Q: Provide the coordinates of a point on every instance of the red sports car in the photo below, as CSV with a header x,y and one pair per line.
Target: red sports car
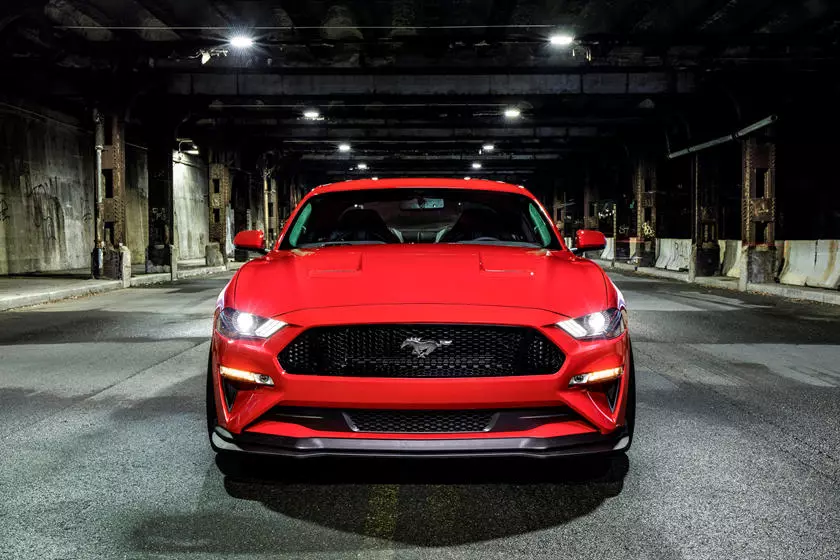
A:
x,y
420,317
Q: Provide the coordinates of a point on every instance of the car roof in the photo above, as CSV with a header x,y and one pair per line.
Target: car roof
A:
x,y
440,183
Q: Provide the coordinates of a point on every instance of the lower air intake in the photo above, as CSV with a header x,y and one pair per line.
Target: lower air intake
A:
x,y
420,421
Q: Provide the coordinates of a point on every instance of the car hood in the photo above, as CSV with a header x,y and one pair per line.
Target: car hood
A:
x,y
416,274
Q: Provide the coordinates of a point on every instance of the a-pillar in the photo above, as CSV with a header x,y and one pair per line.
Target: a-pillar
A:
x,y
705,251
758,211
162,252
220,189
643,246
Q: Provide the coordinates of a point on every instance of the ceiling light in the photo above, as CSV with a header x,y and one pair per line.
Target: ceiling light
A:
x,y
361,166
344,147
241,42
476,165
488,147
561,39
374,178
512,113
467,178
311,114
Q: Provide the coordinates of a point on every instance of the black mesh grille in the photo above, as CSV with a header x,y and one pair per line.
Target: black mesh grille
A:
x,y
421,351
420,421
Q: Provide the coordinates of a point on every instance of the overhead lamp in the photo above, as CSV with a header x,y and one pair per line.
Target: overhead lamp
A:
x,y
362,166
241,42
191,149
561,39
512,113
488,148
467,178
344,147
311,114
476,165
374,178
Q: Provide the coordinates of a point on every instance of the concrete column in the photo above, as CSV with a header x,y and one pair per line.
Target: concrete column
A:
x,y
643,246
96,256
113,169
705,252
758,211
266,196
161,210
114,198
219,201
590,195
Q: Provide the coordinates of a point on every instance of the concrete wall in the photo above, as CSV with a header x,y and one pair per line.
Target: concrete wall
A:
x,y
191,185
137,202
46,191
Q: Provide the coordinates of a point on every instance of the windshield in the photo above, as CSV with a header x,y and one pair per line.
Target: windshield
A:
x,y
392,216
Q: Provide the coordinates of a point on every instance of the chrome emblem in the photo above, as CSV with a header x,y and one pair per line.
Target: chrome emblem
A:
x,y
422,348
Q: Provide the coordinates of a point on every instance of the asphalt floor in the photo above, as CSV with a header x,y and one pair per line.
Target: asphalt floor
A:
x,y
737,449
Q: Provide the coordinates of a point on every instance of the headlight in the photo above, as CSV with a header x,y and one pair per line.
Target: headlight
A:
x,y
238,324
604,324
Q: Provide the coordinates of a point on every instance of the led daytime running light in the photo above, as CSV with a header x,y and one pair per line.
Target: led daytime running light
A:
x,y
245,376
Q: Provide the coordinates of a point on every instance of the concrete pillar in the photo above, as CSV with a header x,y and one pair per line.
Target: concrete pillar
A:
x,y
643,246
161,210
113,170
590,196
96,257
758,211
705,252
219,202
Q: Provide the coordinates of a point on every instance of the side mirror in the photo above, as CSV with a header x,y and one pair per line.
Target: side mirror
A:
x,y
250,240
589,240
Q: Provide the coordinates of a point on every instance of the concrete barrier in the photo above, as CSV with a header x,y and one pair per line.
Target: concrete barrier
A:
x,y
812,263
826,265
608,253
730,258
664,254
673,254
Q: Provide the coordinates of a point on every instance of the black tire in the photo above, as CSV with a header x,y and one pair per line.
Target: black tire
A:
x,y
630,409
210,403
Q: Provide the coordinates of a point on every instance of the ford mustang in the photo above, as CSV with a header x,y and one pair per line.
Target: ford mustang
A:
x,y
424,318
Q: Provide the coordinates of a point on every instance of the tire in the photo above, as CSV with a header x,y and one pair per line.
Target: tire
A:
x,y
210,402
630,408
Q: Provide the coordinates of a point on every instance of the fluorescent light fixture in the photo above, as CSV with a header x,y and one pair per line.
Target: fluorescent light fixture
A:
x,y
311,114
344,147
488,147
476,165
362,166
241,42
561,39
512,113
596,376
467,178
245,376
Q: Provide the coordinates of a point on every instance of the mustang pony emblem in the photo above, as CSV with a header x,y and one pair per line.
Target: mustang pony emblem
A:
x,y
422,348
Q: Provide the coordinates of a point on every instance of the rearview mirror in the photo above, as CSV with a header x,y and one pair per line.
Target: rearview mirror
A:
x,y
250,240
589,240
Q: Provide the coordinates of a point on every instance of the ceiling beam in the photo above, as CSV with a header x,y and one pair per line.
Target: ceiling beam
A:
x,y
332,85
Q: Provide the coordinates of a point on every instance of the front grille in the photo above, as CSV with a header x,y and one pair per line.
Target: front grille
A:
x,y
421,351
420,421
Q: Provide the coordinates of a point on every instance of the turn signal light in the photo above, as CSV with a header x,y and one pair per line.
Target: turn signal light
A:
x,y
596,377
245,376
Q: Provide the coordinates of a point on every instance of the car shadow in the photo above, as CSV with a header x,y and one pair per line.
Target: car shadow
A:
x,y
428,502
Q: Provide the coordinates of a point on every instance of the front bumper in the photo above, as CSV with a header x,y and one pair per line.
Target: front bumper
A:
x,y
527,447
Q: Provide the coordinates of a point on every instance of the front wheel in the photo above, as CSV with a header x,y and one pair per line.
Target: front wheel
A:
x,y
630,407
